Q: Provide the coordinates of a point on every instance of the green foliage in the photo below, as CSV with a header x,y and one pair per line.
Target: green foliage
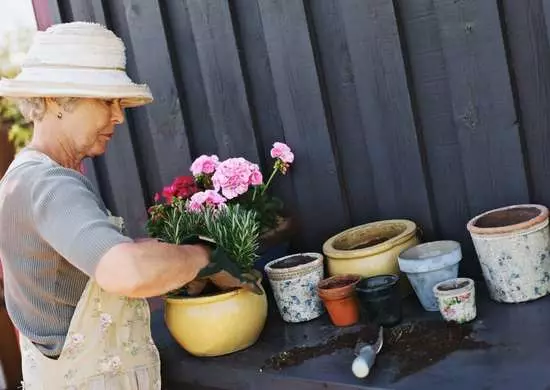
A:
x,y
236,230
233,228
14,43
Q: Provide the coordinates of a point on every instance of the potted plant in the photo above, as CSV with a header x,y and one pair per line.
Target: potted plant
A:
x,y
241,182
227,204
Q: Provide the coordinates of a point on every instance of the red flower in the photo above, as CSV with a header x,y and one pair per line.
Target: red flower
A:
x,y
182,187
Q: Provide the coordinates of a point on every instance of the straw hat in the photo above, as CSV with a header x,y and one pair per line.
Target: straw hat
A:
x,y
76,59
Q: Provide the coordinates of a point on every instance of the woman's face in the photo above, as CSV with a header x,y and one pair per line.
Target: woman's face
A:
x,y
91,124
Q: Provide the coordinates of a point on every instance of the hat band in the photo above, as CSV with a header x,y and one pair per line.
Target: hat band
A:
x,y
82,75
69,66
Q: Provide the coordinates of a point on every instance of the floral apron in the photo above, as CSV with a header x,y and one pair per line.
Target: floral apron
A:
x,y
108,346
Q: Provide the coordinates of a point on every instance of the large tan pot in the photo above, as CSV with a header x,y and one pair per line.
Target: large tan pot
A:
x,y
217,324
371,249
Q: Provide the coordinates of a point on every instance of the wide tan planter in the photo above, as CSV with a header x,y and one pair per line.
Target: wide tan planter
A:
x,y
218,324
371,249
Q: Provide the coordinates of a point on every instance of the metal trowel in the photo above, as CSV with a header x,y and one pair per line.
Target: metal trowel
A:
x,y
366,355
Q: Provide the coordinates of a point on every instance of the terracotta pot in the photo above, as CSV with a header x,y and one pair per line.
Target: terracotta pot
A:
x,y
512,245
217,324
340,299
371,249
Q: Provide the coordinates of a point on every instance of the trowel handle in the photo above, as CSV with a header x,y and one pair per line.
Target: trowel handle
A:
x,y
364,361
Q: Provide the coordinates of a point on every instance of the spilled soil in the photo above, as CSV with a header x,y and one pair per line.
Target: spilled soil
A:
x,y
419,345
299,355
412,347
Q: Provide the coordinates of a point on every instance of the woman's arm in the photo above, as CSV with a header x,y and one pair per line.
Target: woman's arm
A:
x,y
149,268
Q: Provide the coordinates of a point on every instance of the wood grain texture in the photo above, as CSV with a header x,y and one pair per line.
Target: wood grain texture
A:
x,y
300,104
483,105
528,36
429,110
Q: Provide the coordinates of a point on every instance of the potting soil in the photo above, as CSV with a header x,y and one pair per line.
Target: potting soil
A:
x,y
412,347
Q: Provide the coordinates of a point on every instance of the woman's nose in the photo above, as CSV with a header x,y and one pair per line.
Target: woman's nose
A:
x,y
117,115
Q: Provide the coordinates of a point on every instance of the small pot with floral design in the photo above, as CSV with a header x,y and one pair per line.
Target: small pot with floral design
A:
x,y
294,281
456,299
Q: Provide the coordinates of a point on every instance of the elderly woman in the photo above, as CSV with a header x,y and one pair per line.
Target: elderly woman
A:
x,y
74,283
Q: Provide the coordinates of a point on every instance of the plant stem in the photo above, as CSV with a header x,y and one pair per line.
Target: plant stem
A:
x,y
270,179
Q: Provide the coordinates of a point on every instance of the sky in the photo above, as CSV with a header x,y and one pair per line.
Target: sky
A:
x,y
15,14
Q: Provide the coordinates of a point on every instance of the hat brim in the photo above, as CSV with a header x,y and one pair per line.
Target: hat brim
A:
x,y
130,96
51,82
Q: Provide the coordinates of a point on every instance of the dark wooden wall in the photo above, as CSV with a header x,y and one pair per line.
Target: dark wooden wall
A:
x,y
433,110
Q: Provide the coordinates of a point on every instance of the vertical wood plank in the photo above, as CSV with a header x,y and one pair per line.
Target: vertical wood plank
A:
x,y
223,79
376,61
88,11
262,95
432,95
483,105
159,130
350,135
526,29
300,104
188,77
117,176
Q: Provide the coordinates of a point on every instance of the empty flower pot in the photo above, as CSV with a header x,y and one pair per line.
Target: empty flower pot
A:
x,y
294,281
339,297
456,299
513,247
371,249
428,264
381,300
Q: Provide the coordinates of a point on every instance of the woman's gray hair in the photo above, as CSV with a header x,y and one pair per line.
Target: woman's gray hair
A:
x,y
34,109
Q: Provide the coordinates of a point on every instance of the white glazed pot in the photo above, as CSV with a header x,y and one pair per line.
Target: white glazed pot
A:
x,y
513,247
294,285
456,299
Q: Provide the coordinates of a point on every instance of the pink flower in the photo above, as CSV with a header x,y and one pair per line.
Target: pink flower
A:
x,y
282,152
204,165
234,175
205,198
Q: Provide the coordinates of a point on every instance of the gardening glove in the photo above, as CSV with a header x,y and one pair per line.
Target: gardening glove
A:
x,y
221,271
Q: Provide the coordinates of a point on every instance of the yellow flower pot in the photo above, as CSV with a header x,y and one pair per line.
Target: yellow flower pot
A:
x,y
371,249
216,325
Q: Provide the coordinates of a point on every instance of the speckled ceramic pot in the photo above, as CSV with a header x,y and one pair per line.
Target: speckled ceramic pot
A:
x,y
456,299
294,281
513,247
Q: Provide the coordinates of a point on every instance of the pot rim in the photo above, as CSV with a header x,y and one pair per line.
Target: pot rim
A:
x,y
530,223
448,253
214,297
394,279
330,251
313,264
470,285
338,292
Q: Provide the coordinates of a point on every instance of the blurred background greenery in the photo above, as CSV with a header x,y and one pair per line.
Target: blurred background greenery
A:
x,y
13,46
17,28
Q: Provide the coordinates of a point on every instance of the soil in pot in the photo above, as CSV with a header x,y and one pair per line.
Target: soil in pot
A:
x,y
339,297
293,261
508,217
